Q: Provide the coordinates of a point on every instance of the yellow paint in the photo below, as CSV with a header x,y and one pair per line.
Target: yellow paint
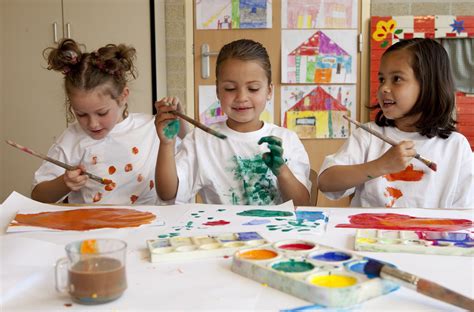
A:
x,y
333,281
366,240
89,246
258,254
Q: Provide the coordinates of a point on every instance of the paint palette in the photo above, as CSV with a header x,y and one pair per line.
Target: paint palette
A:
x,y
422,242
203,246
310,271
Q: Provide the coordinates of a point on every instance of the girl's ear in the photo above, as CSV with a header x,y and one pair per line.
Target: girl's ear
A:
x,y
124,96
270,92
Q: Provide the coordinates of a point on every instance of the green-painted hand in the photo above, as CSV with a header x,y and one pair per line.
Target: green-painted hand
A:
x,y
171,129
274,158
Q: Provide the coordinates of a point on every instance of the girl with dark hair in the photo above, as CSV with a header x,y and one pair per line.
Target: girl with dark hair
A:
x,y
416,98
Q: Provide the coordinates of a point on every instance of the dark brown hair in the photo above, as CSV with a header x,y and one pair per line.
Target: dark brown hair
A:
x,y
245,50
110,66
436,101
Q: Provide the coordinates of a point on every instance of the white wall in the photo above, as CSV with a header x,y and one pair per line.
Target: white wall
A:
x,y
2,137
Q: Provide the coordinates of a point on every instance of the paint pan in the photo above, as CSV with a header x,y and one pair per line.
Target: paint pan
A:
x,y
319,274
421,242
202,246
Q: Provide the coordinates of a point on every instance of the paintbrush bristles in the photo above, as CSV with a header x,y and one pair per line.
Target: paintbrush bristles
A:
x,y
385,138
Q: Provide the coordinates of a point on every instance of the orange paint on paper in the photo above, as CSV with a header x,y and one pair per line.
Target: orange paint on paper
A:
x,y
128,167
140,178
97,197
133,198
394,221
394,194
112,170
94,160
333,281
135,150
110,186
409,174
258,254
152,184
88,246
85,219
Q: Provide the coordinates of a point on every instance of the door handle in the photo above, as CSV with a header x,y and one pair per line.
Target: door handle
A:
x,y
205,63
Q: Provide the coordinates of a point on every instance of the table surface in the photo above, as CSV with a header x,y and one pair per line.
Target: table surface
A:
x,y
28,259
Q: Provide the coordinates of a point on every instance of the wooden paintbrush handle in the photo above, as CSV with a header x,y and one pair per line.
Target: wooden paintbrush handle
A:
x,y
439,292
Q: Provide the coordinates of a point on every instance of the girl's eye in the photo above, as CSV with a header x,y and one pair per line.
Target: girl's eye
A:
x,y
103,114
253,89
229,89
80,115
397,78
381,80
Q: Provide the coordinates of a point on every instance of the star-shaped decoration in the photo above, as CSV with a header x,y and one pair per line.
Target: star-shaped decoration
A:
x,y
458,26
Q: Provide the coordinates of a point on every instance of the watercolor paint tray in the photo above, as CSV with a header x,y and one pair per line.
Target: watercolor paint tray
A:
x,y
202,246
421,242
310,271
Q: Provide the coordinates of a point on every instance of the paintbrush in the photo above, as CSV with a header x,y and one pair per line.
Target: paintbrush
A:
x,y
385,138
57,162
421,285
199,125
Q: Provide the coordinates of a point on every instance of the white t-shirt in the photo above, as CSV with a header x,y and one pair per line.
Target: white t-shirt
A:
x,y
451,186
127,156
232,171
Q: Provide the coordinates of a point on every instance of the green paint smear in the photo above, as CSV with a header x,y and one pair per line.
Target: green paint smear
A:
x,y
220,210
163,236
264,213
293,266
171,129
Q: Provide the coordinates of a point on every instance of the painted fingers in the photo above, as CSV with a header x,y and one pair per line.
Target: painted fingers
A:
x,y
167,125
273,159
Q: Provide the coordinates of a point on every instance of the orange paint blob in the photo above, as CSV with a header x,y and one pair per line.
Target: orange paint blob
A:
x,y
258,254
97,197
133,198
140,178
409,174
112,170
152,184
394,221
134,150
394,194
88,246
107,181
128,167
94,160
110,186
85,219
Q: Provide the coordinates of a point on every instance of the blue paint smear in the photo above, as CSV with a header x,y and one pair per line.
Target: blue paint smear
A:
x,y
332,256
256,222
246,236
315,307
311,215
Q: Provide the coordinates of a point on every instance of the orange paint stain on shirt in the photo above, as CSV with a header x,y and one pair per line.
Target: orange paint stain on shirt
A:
x,y
133,199
94,160
112,170
152,184
134,150
393,193
140,178
409,174
128,167
84,219
97,197
109,187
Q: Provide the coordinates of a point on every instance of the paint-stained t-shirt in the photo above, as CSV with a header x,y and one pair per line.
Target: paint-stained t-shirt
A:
x,y
451,186
126,156
232,171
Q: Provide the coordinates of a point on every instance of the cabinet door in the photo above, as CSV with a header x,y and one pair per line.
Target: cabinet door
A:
x,y
97,23
32,97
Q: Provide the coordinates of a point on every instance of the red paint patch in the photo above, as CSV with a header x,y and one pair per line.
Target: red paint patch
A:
x,y
400,222
152,184
128,167
409,174
94,160
134,150
140,178
112,170
214,223
133,198
393,193
109,187
107,181
97,197
296,246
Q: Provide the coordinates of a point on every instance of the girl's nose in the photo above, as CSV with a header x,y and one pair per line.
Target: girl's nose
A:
x,y
241,95
93,123
385,88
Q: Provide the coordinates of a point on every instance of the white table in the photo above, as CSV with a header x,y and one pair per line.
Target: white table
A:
x,y
27,272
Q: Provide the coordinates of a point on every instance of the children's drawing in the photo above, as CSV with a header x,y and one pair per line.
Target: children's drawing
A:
x,y
233,14
280,218
319,56
210,111
82,219
316,111
394,221
299,14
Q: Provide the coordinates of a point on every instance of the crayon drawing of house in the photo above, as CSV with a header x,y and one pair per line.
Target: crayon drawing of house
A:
x,y
318,60
318,115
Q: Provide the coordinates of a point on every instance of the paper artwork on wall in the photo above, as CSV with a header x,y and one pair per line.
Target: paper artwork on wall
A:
x,y
233,14
319,56
315,111
210,111
301,14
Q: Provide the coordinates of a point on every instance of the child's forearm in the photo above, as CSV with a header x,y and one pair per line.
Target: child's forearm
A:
x,y
166,177
291,188
50,191
342,177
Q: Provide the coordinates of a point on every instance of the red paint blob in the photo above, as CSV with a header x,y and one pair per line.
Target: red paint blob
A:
x,y
298,246
214,223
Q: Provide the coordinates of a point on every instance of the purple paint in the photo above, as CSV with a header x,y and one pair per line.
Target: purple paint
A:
x,y
332,256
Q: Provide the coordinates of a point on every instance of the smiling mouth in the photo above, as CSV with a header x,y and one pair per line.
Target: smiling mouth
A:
x,y
240,109
387,103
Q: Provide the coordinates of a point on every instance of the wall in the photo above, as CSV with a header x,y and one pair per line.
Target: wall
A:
x,y
2,145
412,7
